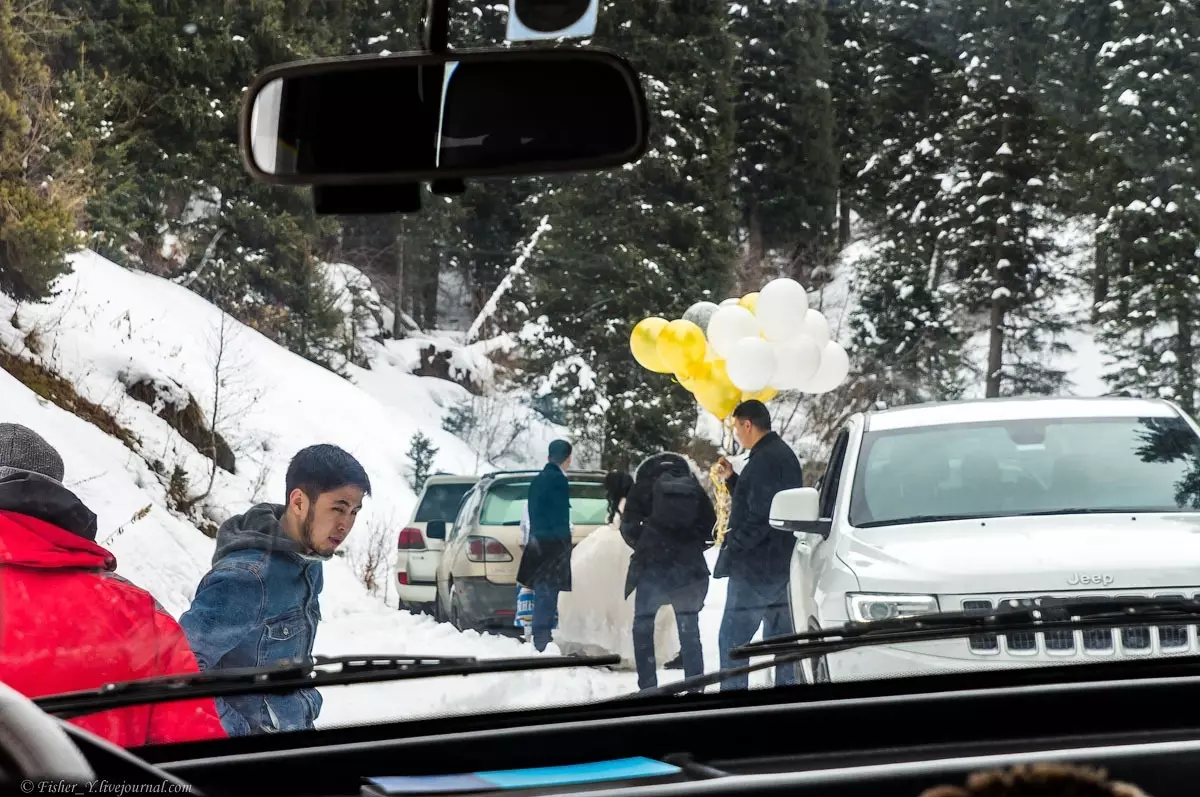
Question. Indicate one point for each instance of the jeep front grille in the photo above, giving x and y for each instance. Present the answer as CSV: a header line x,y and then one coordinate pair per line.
x,y
1141,640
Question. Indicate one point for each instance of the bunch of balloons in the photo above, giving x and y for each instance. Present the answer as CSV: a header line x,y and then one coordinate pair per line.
x,y
752,347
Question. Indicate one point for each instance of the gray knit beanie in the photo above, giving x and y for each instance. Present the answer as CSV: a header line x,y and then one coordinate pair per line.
x,y
22,449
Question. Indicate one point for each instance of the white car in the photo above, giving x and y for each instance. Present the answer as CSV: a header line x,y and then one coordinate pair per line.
x,y
977,504
420,544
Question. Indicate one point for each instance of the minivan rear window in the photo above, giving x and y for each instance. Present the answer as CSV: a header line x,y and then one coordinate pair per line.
x,y
505,503
441,501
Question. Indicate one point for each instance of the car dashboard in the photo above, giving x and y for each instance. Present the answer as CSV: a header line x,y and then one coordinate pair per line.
x,y
832,740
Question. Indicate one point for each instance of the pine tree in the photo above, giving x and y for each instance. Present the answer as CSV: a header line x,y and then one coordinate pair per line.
x,y
907,328
41,191
787,166
179,203
851,39
649,239
1152,228
1003,189
1075,90
421,453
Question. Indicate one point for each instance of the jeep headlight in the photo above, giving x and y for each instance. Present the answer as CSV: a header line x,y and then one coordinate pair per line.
x,y
864,608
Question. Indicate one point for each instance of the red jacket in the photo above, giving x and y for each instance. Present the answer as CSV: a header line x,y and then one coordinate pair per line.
x,y
68,622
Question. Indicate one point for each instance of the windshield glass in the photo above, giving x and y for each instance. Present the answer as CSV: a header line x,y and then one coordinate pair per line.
x,y
971,228
1021,467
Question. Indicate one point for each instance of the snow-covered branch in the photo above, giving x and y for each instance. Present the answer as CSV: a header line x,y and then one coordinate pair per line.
x,y
515,270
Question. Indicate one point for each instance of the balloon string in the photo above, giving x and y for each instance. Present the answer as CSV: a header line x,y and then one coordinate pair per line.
x,y
724,501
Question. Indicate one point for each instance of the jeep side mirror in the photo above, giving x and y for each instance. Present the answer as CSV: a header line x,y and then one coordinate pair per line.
x,y
799,511
435,530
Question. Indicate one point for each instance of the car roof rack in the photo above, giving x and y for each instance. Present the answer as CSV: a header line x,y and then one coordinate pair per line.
x,y
500,473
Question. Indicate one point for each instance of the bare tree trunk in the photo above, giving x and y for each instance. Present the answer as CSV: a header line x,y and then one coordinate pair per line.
x,y
429,290
215,413
1099,278
995,347
398,331
1185,357
999,300
843,221
749,272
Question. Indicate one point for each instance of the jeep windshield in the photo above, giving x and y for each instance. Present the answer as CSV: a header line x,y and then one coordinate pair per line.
x,y
1026,467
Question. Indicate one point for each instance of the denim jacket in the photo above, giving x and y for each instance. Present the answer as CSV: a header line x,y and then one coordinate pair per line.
x,y
257,606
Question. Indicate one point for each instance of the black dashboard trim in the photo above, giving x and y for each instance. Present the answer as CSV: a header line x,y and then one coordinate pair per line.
x,y
1101,675
902,738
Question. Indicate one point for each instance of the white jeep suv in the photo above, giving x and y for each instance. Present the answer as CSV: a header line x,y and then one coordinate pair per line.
x,y
976,504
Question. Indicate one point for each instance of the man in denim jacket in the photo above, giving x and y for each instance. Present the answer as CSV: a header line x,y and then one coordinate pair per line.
x,y
259,604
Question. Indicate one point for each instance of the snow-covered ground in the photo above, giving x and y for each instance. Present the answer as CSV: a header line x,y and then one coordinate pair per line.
x,y
109,327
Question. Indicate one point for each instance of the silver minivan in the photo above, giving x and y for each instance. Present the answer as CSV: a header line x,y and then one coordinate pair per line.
x,y
419,552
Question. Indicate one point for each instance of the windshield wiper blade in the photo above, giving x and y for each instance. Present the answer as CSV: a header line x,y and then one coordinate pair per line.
x,y
868,524
289,676
1047,614
1042,613
1116,510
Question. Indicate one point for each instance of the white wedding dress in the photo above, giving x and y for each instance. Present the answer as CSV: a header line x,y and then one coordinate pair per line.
x,y
595,617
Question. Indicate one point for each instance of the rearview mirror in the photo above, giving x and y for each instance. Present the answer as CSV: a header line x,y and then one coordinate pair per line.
x,y
435,530
410,118
798,511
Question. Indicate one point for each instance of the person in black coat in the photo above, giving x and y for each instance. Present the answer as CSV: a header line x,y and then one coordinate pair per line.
x,y
756,558
546,562
668,521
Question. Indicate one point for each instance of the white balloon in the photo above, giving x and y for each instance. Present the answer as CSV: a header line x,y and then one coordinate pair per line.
x,y
815,326
700,313
797,362
782,305
751,364
729,325
835,365
730,302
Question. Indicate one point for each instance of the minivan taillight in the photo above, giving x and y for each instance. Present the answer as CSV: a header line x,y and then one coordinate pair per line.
x,y
411,540
487,549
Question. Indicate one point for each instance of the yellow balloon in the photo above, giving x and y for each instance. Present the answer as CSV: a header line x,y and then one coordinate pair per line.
x,y
719,374
749,301
719,399
681,344
694,373
764,395
643,342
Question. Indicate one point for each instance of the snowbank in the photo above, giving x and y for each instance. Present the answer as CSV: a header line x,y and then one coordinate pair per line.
x,y
154,549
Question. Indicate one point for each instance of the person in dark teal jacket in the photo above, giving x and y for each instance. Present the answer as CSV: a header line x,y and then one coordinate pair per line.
x,y
546,562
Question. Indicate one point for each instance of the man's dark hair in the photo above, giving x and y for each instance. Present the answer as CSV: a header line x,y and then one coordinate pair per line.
x,y
559,451
756,412
321,468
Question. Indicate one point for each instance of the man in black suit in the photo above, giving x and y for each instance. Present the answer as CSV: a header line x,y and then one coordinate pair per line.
x,y
756,558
